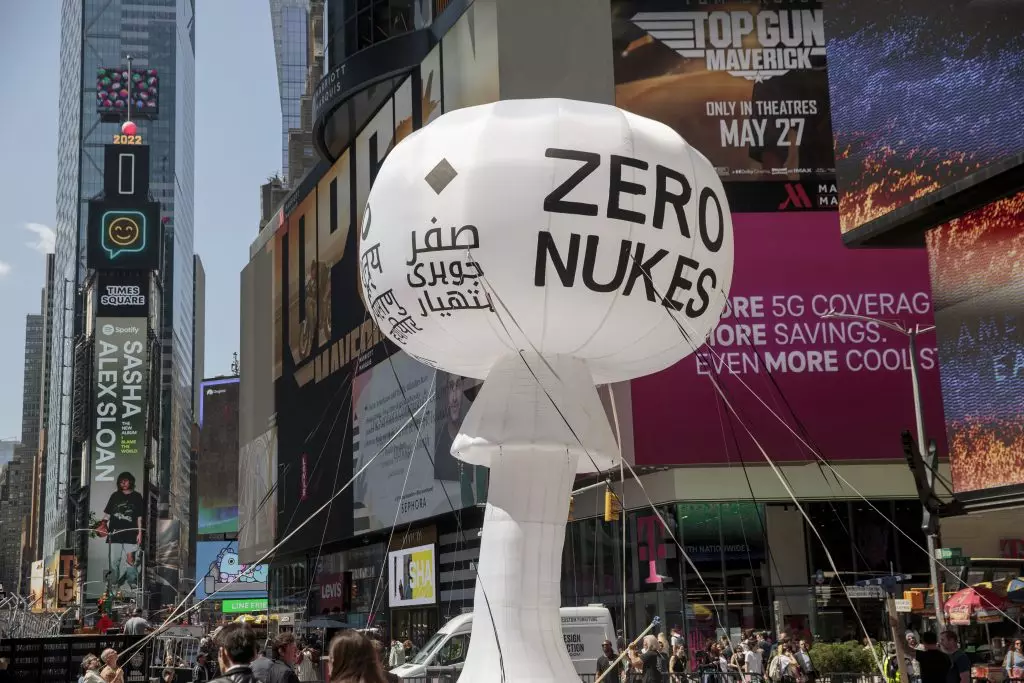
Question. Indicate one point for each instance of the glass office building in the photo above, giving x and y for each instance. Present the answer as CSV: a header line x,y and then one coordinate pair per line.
x,y
290,21
158,34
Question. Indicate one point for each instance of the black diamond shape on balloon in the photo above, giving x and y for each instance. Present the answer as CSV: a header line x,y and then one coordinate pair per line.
x,y
440,176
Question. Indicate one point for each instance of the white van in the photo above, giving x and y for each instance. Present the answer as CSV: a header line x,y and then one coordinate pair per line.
x,y
583,629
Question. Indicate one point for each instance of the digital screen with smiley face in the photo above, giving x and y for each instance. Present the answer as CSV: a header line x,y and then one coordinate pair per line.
x,y
123,237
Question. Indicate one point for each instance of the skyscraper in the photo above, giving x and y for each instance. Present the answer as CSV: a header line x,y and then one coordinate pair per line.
x,y
156,34
16,477
290,22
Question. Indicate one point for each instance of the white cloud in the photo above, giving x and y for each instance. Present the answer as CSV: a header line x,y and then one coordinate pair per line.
x,y
45,240
4,268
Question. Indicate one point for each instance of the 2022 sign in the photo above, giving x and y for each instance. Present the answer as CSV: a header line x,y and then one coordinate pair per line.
x,y
127,139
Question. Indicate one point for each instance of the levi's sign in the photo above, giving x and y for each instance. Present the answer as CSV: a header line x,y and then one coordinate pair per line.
x,y
676,281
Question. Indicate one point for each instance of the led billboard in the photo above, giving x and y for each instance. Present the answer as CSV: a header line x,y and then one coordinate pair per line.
x,y
924,93
118,90
124,234
978,286
744,81
412,577
219,571
217,462
122,294
117,454
843,385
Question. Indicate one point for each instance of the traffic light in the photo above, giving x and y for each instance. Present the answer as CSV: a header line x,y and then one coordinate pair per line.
x,y
612,506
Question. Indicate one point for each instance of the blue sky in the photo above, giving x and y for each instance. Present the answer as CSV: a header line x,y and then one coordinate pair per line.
x,y
238,123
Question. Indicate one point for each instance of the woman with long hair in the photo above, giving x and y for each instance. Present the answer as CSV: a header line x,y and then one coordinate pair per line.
x,y
354,659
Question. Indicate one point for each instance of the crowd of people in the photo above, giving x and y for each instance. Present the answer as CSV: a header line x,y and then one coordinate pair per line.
x,y
233,655
662,659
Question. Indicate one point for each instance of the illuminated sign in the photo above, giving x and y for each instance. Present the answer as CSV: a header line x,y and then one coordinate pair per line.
x,y
120,139
237,606
412,577
118,91
124,235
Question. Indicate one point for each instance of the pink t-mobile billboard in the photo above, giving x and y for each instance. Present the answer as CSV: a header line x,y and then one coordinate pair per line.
x,y
843,385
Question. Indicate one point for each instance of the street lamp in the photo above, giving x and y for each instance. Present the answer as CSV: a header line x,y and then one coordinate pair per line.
x,y
912,333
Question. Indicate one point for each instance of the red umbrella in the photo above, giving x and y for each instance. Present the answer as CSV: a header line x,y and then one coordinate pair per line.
x,y
969,602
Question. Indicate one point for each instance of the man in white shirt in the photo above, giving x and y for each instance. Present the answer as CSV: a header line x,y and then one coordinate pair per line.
x,y
753,664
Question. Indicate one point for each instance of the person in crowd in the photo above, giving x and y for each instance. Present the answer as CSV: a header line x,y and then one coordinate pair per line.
x,y
200,672
236,649
783,668
396,655
278,667
354,659
382,660
410,650
646,662
738,660
676,636
91,666
753,664
1013,663
604,661
765,647
804,663
308,664
111,673
725,646
137,625
933,664
960,672
677,664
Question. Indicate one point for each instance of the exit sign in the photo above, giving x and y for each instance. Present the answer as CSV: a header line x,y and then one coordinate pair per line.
x,y
236,606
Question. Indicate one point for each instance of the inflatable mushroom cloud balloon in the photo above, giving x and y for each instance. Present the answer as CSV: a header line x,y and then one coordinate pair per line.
x,y
544,246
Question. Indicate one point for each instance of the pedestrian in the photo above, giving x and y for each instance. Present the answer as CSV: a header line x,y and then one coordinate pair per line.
x,y
236,649
410,650
1013,664
354,659
278,667
646,661
677,663
960,672
137,625
111,672
382,657
91,666
803,660
200,672
607,656
753,662
677,636
932,662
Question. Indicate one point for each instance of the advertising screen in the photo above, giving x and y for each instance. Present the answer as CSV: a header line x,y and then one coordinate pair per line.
x,y
36,586
219,571
745,81
117,455
122,294
419,460
943,101
124,234
61,581
978,286
411,577
217,464
846,381
247,605
117,90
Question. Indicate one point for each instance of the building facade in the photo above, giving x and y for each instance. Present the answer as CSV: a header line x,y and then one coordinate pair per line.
x,y
290,23
160,35
703,487
16,475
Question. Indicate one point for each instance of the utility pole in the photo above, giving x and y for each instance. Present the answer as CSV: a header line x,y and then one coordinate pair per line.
x,y
931,521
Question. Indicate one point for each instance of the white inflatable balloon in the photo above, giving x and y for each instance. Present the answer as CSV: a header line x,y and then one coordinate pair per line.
x,y
577,223
542,245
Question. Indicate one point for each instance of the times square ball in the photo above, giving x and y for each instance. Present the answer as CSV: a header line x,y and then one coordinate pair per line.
x,y
550,226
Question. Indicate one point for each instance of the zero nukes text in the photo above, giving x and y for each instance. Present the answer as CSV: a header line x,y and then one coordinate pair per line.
x,y
673,280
